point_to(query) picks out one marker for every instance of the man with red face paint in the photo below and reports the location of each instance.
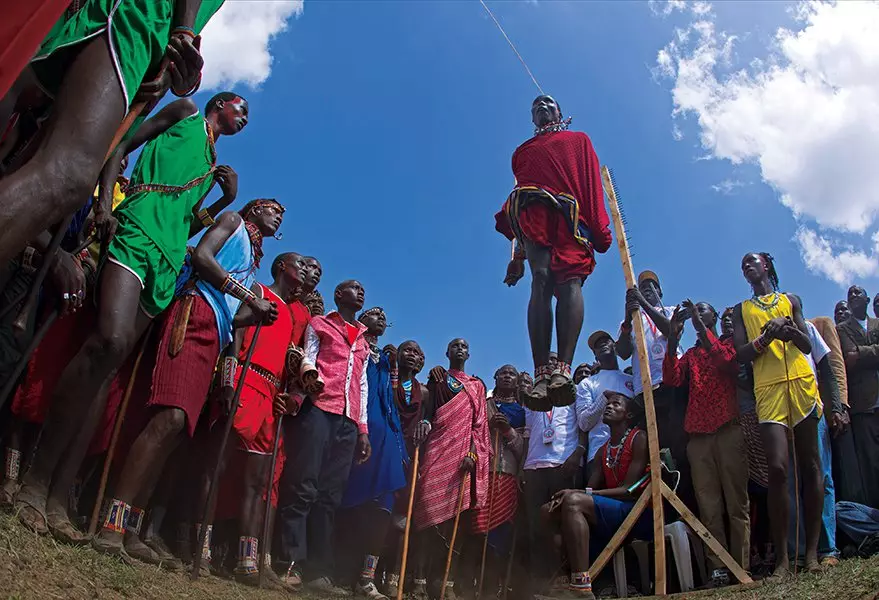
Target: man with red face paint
(174, 173)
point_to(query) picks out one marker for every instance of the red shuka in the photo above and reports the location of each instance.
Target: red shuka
(563, 162)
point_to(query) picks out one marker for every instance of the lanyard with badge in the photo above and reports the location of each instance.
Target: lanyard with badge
(657, 351)
(548, 430)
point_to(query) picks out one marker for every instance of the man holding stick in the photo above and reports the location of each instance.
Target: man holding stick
(196, 328)
(458, 445)
(147, 245)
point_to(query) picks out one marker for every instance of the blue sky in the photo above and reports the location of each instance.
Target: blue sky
(387, 129)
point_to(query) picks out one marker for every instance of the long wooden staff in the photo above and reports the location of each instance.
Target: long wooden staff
(267, 516)
(40, 333)
(117, 428)
(464, 482)
(413, 479)
(493, 477)
(208, 511)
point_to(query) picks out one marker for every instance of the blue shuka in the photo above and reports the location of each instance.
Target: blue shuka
(384, 473)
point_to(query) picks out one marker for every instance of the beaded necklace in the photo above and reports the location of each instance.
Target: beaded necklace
(553, 127)
(256, 238)
(615, 452)
(763, 305)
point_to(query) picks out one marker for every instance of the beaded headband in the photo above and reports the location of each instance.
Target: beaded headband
(375, 310)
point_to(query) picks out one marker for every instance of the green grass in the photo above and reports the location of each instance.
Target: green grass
(33, 567)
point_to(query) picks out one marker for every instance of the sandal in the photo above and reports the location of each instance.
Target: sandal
(31, 511)
(167, 559)
(537, 399)
(112, 549)
(63, 530)
(561, 389)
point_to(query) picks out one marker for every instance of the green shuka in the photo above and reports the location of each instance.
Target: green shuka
(173, 173)
(139, 32)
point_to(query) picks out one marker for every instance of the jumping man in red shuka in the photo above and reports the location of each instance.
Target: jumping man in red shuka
(557, 218)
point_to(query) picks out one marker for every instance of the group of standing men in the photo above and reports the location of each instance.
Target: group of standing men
(340, 418)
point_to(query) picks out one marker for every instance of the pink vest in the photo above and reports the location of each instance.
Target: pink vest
(341, 367)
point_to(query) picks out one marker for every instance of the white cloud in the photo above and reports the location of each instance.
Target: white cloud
(727, 187)
(235, 43)
(666, 7)
(807, 114)
(841, 265)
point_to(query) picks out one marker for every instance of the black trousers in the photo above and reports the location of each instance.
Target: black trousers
(540, 485)
(865, 428)
(320, 450)
(847, 481)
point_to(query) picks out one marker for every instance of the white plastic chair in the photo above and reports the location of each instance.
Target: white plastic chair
(676, 534)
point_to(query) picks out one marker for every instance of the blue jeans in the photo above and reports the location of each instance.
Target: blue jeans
(856, 520)
(827, 538)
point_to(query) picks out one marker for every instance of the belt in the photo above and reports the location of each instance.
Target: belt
(266, 374)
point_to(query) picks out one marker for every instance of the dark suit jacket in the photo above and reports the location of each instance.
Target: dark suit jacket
(863, 375)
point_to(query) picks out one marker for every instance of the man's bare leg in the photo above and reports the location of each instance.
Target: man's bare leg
(80, 397)
(808, 461)
(141, 474)
(256, 471)
(62, 174)
(569, 322)
(775, 443)
(540, 311)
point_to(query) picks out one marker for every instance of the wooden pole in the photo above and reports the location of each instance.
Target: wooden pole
(464, 481)
(491, 491)
(658, 489)
(413, 479)
(114, 438)
(208, 510)
(647, 385)
(266, 519)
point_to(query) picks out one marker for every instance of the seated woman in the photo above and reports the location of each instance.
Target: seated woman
(599, 511)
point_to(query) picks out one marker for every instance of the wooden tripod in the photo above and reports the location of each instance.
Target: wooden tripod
(657, 488)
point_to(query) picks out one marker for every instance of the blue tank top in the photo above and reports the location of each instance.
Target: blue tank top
(236, 257)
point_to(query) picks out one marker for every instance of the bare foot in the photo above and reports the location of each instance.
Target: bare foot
(64, 531)
(7, 493)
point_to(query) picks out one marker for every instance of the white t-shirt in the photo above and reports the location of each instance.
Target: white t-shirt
(591, 403)
(863, 323)
(820, 349)
(657, 344)
(562, 420)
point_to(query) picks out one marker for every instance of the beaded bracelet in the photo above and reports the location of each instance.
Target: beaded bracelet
(230, 364)
(472, 456)
(205, 217)
(188, 31)
(234, 288)
(760, 345)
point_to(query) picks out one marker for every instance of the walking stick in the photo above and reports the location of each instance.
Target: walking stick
(266, 519)
(208, 512)
(408, 528)
(464, 482)
(114, 437)
(491, 491)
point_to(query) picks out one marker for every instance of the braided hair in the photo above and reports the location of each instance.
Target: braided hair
(770, 268)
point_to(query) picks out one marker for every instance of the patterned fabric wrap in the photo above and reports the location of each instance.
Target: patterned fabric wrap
(455, 424)
(504, 504)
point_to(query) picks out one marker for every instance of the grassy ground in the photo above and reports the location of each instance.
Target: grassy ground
(35, 567)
